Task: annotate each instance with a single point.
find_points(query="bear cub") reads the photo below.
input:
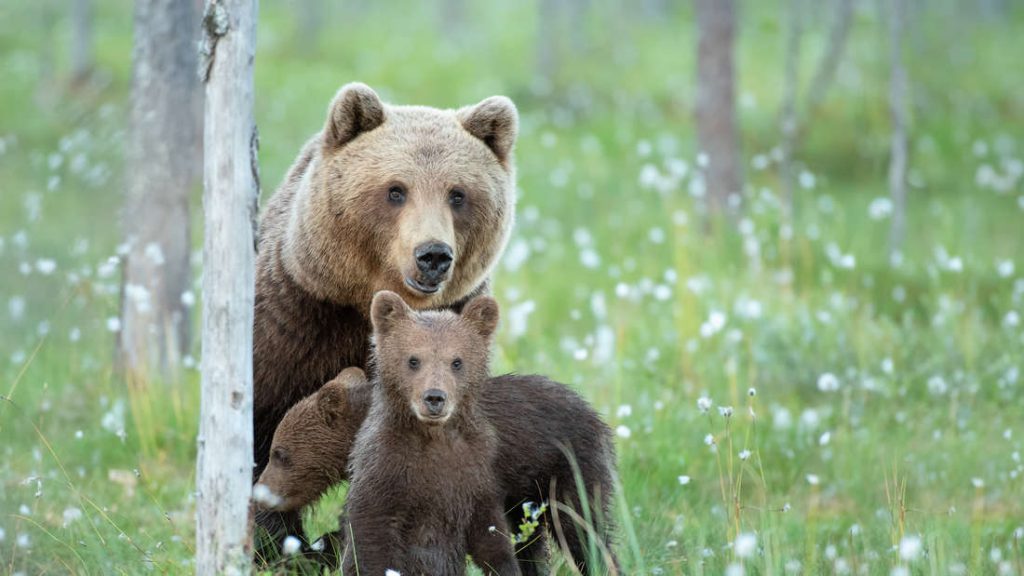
(423, 493)
(539, 423)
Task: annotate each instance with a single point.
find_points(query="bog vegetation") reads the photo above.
(788, 397)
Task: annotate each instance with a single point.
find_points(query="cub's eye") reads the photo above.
(414, 362)
(457, 364)
(456, 197)
(280, 456)
(396, 194)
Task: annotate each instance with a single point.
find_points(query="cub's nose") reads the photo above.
(433, 260)
(434, 399)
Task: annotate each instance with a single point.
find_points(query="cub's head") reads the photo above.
(432, 362)
(313, 441)
(415, 200)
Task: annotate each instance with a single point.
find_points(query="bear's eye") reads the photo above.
(456, 197)
(414, 362)
(280, 456)
(396, 194)
(457, 364)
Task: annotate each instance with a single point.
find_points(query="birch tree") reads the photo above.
(898, 113)
(230, 191)
(716, 101)
(82, 59)
(162, 169)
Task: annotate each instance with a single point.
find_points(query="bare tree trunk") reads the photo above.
(898, 110)
(826, 71)
(311, 20)
(231, 188)
(790, 88)
(82, 59)
(716, 101)
(161, 172)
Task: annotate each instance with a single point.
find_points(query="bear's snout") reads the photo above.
(434, 260)
(435, 400)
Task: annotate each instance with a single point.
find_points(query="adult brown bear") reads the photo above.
(411, 199)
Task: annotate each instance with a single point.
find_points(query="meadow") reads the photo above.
(787, 397)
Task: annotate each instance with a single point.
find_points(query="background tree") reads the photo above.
(82, 56)
(898, 112)
(794, 121)
(162, 168)
(230, 193)
(717, 135)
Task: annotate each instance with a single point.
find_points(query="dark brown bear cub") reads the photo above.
(534, 417)
(423, 493)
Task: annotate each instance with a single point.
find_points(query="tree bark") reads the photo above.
(82, 59)
(826, 71)
(164, 150)
(898, 111)
(231, 188)
(790, 89)
(716, 102)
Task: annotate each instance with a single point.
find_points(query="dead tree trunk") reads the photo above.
(161, 173)
(81, 41)
(230, 191)
(826, 71)
(716, 102)
(898, 112)
(790, 89)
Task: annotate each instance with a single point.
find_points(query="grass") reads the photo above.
(885, 432)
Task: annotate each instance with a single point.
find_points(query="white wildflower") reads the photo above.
(291, 545)
(623, 431)
(910, 547)
(704, 404)
(828, 382)
(745, 545)
(683, 480)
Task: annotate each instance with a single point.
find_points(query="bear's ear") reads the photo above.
(495, 121)
(355, 109)
(482, 314)
(331, 401)
(386, 311)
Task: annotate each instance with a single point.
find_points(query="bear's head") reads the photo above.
(312, 443)
(431, 363)
(416, 200)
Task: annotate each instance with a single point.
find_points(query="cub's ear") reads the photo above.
(482, 314)
(351, 377)
(356, 108)
(495, 121)
(332, 399)
(387, 310)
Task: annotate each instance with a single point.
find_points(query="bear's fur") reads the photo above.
(332, 235)
(534, 418)
(423, 493)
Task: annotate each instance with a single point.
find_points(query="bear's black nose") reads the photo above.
(434, 399)
(433, 259)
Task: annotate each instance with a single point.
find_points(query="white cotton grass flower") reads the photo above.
(70, 515)
(390, 572)
(709, 440)
(899, 571)
(828, 382)
(1005, 268)
(704, 404)
(624, 411)
(813, 479)
(978, 483)
(744, 455)
(745, 545)
(752, 392)
(113, 324)
(683, 480)
(46, 266)
(262, 494)
(291, 545)
(735, 569)
(880, 208)
(623, 431)
(725, 411)
(910, 547)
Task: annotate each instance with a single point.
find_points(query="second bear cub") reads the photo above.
(423, 494)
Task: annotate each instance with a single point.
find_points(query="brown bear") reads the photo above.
(407, 198)
(423, 493)
(538, 422)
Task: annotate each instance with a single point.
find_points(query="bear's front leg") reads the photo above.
(488, 540)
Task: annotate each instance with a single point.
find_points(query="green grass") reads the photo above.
(922, 438)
